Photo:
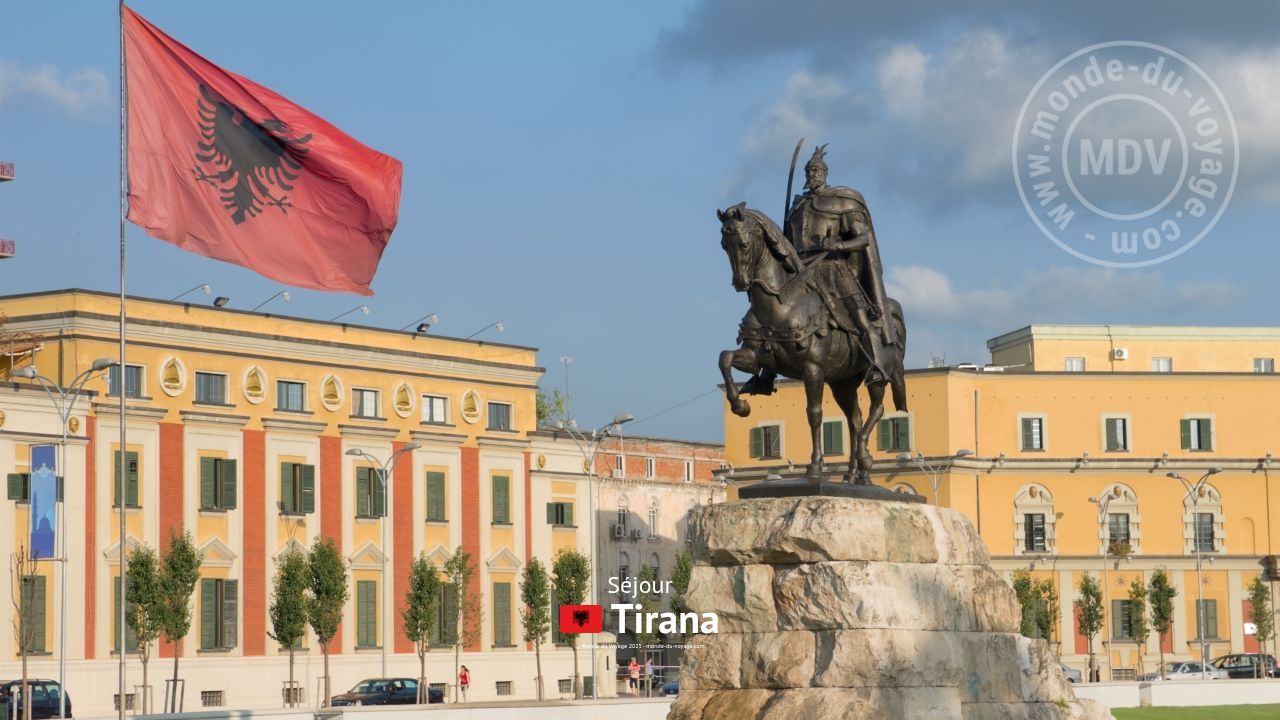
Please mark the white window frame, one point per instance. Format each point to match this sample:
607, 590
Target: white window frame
1128, 431
305, 394
1067, 362
428, 409
226, 383
649, 467
1044, 431
1156, 362
357, 403
511, 416
688, 471
1195, 435
1264, 364
124, 380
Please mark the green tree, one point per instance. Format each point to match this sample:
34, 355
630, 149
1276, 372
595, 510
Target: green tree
1090, 608
553, 406
1024, 587
288, 611
468, 613
571, 578
145, 611
23, 568
1050, 609
1260, 615
179, 573
1160, 595
1139, 629
420, 608
535, 595
327, 597
680, 575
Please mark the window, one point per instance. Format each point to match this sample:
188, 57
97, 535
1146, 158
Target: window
130, 637
371, 493
619, 463
291, 396
297, 488
444, 632
32, 613
649, 468
653, 523
212, 698
435, 409
688, 471
211, 388
435, 497
499, 416
1162, 364
1073, 364
1205, 540
19, 486
218, 616
364, 403
501, 499
367, 613
502, 687
895, 434
560, 513
1032, 434
1117, 529
131, 485
132, 380
1033, 532
1121, 627
1207, 613
833, 438
1264, 365
1117, 433
217, 484
502, 614
623, 514
1197, 433
766, 441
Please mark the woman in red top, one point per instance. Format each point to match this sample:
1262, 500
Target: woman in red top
634, 671
464, 680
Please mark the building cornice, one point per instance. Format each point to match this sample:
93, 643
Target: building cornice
306, 427
134, 412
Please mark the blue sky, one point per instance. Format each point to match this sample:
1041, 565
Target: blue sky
563, 162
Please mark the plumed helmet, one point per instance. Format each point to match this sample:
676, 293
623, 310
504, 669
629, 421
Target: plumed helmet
817, 161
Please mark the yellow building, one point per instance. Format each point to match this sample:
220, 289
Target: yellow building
1066, 459
259, 434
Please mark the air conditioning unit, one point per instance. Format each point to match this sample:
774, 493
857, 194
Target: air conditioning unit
1120, 354
619, 532
636, 535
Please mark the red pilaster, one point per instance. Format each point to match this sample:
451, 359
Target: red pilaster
331, 507
402, 540
470, 458
172, 478
253, 503
90, 539
528, 521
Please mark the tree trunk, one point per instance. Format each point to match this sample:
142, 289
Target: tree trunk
537, 655
176, 653
424, 693
26, 689
144, 655
293, 696
324, 650
1160, 669
457, 648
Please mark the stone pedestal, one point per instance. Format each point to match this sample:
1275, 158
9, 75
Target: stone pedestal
833, 607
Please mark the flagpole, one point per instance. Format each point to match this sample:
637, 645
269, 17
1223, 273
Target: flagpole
121, 375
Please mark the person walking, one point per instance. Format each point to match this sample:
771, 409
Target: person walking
464, 681
634, 671
648, 677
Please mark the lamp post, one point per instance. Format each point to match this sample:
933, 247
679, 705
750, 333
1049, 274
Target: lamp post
382, 470
64, 401
1103, 503
495, 325
1193, 491
933, 473
589, 464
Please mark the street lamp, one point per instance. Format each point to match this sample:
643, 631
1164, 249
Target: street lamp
1102, 504
423, 323
64, 401
589, 460
933, 473
495, 325
283, 295
364, 309
1193, 491
383, 469
202, 286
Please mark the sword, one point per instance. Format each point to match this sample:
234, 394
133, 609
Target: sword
786, 208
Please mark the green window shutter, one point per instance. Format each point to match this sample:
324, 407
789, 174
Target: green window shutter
208, 614
38, 605
378, 486
773, 441
131, 489
832, 438
501, 498
230, 626
450, 633
115, 613
61, 487
15, 486
308, 492
362, 492
115, 483
883, 438
757, 442
228, 479
502, 614
1028, 434
551, 513
1113, 434
1184, 427
366, 609
1205, 427
286, 488
555, 617
435, 496
568, 514
208, 483
901, 433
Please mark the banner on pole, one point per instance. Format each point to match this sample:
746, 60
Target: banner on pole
44, 501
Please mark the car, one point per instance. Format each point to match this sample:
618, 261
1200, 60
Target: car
385, 691
1185, 670
1245, 665
44, 692
1072, 674
671, 688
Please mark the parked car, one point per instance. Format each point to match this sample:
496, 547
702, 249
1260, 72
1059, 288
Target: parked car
1186, 670
385, 691
45, 695
671, 689
1072, 674
1245, 665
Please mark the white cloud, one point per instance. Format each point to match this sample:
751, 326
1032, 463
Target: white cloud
76, 93
900, 75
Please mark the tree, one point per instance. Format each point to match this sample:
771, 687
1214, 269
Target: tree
327, 597
571, 578
535, 595
553, 406
179, 573
1139, 630
420, 609
680, 575
1090, 608
1051, 606
1260, 615
288, 611
466, 611
1160, 595
145, 611
1039, 601
23, 570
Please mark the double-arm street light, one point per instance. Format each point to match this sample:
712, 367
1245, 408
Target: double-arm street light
932, 472
1102, 504
382, 470
64, 401
1193, 492
589, 446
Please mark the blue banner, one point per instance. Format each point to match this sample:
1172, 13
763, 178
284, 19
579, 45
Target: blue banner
44, 501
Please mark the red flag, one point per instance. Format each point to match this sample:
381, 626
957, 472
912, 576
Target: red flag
577, 619
223, 167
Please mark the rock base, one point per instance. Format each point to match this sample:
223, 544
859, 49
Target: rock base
834, 607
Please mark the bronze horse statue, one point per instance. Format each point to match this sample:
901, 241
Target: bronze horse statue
792, 330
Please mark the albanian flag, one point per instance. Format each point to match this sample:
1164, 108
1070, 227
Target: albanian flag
223, 167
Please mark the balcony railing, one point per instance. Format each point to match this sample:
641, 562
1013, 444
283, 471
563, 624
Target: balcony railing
6, 171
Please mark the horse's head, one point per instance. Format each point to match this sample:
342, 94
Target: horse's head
739, 236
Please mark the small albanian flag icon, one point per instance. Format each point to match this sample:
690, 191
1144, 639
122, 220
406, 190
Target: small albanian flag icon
576, 619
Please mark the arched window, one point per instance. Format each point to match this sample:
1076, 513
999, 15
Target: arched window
1120, 532
624, 566
1202, 522
653, 518
1033, 521
624, 512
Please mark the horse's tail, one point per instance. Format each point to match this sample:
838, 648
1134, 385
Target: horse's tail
897, 379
